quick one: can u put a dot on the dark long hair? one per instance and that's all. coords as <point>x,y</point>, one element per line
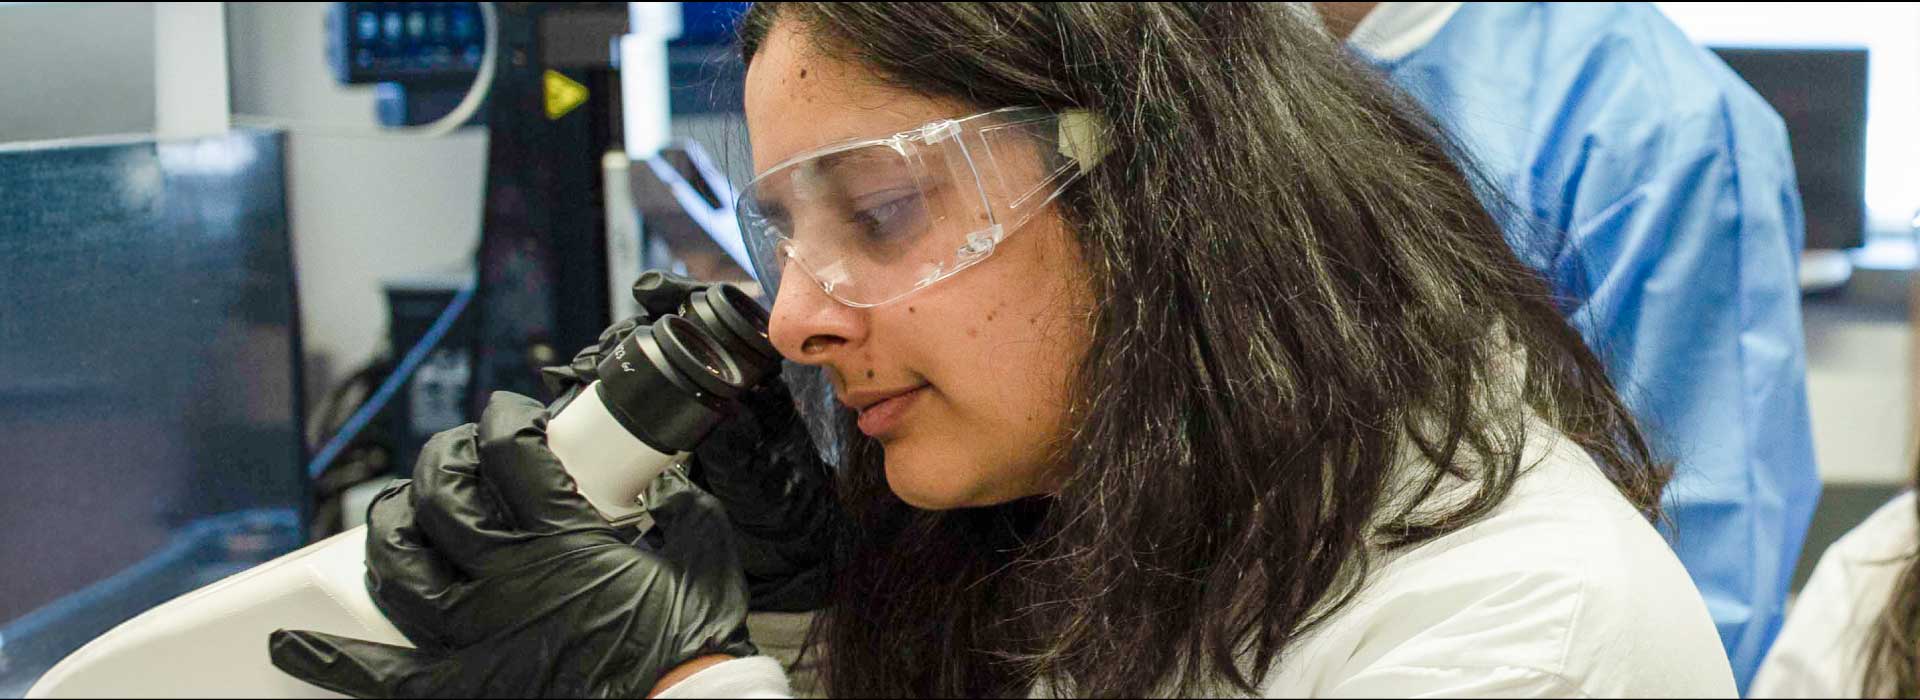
<point>1893,645</point>
<point>1300,292</point>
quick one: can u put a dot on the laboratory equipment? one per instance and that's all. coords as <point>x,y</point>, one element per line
<point>149,380</point>
<point>659,392</point>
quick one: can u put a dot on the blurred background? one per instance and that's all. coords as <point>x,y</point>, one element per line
<point>253,254</point>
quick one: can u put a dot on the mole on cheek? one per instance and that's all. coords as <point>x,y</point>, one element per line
<point>909,309</point>
<point>990,315</point>
<point>869,374</point>
<point>803,74</point>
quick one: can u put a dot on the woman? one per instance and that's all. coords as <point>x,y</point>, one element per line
<point>1177,355</point>
<point>1855,629</point>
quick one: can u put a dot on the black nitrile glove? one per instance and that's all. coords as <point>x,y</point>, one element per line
<point>512,584</point>
<point>762,465</point>
<point>780,497</point>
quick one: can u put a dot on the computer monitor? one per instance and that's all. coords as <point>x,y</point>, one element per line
<point>1822,96</point>
<point>149,391</point>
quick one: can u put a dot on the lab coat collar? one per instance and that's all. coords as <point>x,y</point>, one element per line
<point>1395,29</point>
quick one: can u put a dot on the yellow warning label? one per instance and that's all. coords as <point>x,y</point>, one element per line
<point>563,95</point>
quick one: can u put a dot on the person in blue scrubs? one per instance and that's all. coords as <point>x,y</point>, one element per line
<point>1665,211</point>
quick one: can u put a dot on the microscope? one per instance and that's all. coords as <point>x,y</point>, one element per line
<point>660,391</point>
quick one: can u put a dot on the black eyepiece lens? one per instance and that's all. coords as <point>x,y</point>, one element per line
<point>748,308</point>
<point>701,349</point>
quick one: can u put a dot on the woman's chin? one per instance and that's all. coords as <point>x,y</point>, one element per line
<point>930,484</point>
<point>942,475</point>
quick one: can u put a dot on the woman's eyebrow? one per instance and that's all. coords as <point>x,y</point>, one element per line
<point>777,212</point>
<point>849,159</point>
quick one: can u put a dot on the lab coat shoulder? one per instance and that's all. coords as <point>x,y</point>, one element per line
<point>1563,591</point>
<point>1821,650</point>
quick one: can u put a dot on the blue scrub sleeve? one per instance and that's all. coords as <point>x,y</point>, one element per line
<point>1693,303</point>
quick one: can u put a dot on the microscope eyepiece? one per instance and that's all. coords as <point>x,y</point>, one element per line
<point>739,324</point>
<point>698,356</point>
<point>672,381</point>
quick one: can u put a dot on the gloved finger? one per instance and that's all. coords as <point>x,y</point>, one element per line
<point>585,366</point>
<point>662,293</point>
<point>614,334</point>
<point>587,360</point>
<point>353,667</point>
<point>559,380</point>
<point>676,504</point>
<point>764,467</point>
<point>693,523</point>
<point>700,541</point>
<point>737,450</point>
<point>458,514</point>
<point>417,589</point>
<point>562,385</point>
<point>516,463</point>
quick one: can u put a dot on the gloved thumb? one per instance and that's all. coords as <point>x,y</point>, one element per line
<point>584,368</point>
<point>352,667</point>
<point>684,512</point>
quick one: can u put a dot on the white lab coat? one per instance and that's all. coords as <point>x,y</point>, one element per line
<point>1821,652</point>
<point>1563,591</point>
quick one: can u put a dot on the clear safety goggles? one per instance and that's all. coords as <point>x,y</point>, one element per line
<point>873,221</point>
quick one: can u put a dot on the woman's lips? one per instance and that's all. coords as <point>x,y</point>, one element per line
<point>882,419</point>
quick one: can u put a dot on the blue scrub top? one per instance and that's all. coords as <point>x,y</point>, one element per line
<point>1672,222</point>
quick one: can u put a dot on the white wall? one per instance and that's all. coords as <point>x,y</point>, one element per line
<point>364,206</point>
<point>76,69</point>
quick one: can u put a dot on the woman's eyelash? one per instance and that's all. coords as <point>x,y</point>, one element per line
<point>879,215</point>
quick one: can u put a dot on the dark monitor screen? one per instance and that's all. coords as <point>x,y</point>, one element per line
<point>149,402</point>
<point>1822,96</point>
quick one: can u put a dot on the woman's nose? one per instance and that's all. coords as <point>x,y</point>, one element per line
<point>809,327</point>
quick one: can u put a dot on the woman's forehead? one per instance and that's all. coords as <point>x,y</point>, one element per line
<point>800,98</point>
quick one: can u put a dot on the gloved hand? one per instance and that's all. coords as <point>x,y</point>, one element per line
<point>512,584</point>
<point>761,464</point>
<point>659,293</point>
